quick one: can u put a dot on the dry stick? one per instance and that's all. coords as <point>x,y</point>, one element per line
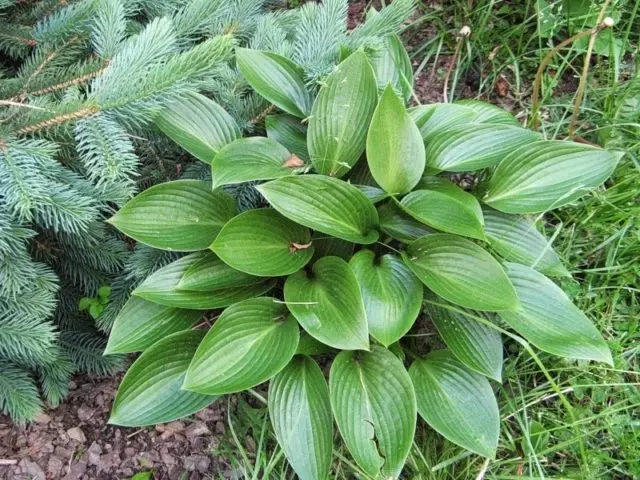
<point>464,33</point>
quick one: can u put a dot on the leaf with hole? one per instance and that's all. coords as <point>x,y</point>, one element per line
<point>250,342</point>
<point>374,405</point>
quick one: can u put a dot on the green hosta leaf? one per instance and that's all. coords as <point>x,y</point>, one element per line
<point>290,132</point>
<point>208,272</point>
<point>340,116</point>
<point>183,215</point>
<point>434,118</point>
<point>276,78</point>
<point>392,294</point>
<point>310,346</point>
<point>326,246</point>
<point>300,412</point>
<point>253,158</point>
<point>374,194</point>
<point>393,66</point>
<point>458,403</point>
<point>262,242</point>
<point>547,174</point>
<point>140,324</point>
<point>162,287</point>
<point>476,345</point>
<point>471,147</point>
<point>462,272</point>
<point>399,225</point>
<point>360,174</point>
<point>325,204</point>
<point>488,113</point>
<point>395,150</point>
<point>250,342</point>
<point>150,391</point>
<point>328,304</point>
<point>374,405</point>
<point>518,240</point>
<point>549,320</point>
<point>199,125</point>
<point>443,205</point>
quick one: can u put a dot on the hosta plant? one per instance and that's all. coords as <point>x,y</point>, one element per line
<point>363,235</point>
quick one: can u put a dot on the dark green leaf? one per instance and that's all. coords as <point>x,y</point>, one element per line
<point>208,272</point>
<point>150,391</point>
<point>326,246</point>
<point>399,225</point>
<point>392,294</point>
<point>290,132</point>
<point>460,271</point>
<point>250,342</point>
<point>310,346</point>
<point>328,304</point>
<point>183,215</point>
<point>374,194</point>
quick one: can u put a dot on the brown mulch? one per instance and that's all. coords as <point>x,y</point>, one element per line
<point>74,441</point>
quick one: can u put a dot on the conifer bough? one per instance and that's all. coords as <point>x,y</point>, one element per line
<point>404,240</point>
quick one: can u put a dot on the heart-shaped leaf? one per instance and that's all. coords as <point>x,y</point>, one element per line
<point>547,174</point>
<point>208,272</point>
<point>287,130</point>
<point>395,150</point>
<point>150,391</point>
<point>374,405</point>
<point>434,118</point>
<point>392,294</point>
<point>250,342</point>
<point>340,116</point>
<point>140,324</point>
<point>518,240</point>
<point>476,345</point>
<point>489,113</point>
<point>328,305</point>
<point>183,215</point>
<point>276,78</point>
<point>443,205</point>
<point>458,403</point>
<point>264,243</point>
<point>469,147</point>
<point>300,412</point>
<point>199,125</point>
<point>325,204</point>
<point>462,272</point>
<point>399,225</point>
<point>549,320</point>
<point>252,158</point>
<point>393,66</point>
<point>162,287</point>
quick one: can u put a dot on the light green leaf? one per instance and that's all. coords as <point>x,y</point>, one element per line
<point>395,150</point>
<point>374,405</point>
<point>199,125</point>
<point>489,113</point>
<point>443,205</point>
<point>264,243</point>
<point>476,345</point>
<point>140,324</point>
<point>208,272</point>
<point>250,342</point>
<point>276,78</point>
<point>547,174</point>
<point>392,294</point>
<point>471,147</point>
<point>434,118</point>
<point>150,391</point>
<point>458,403</point>
<point>300,412</point>
<point>252,158</point>
<point>549,320</point>
<point>162,287</point>
<point>393,66</point>
<point>340,116</point>
<point>460,271</point>
<point>518,240</point>
<point>328,305</point>
<point>287,130</point>
<point>325,204</point>
<point>399,225</point>
<point>183,215</point>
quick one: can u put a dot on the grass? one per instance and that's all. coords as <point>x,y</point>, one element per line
<point>598,436</point>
